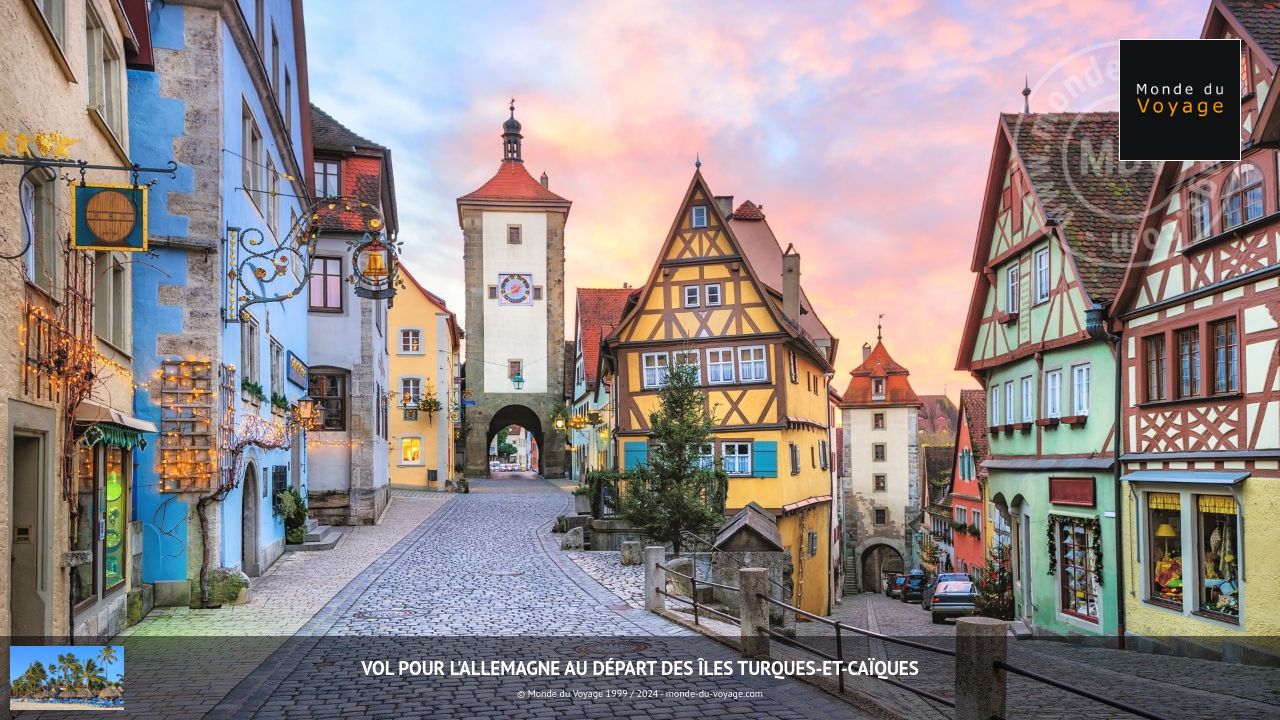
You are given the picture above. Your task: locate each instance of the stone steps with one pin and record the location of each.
(318, 537)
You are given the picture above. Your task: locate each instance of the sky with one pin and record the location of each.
(21, 657)
(865, 129)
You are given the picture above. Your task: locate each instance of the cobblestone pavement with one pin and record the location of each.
(606, 568)
(1172, 686)
(479, 579)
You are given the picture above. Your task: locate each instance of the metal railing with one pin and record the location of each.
(980, 654)
(711, 548)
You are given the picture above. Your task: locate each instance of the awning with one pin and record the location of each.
(793, 507)
(1186, 477)
(110, 426)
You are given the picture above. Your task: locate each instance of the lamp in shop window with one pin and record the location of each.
(1166, 531)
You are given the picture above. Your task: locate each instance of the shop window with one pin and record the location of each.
(1164, 548)
(330, 389)
(1217, 525)
(411, 451)
(1079, 593)
(83, 577)
(100, 528)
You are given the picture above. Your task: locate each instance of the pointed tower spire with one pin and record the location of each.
(1026, 95)
(511, 136)
(879, 333)
(697, 161)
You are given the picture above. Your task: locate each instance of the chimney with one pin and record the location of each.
(725, 203)
(546, 182)
(791, 285)
(866, 351)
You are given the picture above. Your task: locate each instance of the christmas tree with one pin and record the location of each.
(995, 585)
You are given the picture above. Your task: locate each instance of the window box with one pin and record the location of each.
(1022, 427)
(1047, 422)
(1075, 419)
(1007, 428)
(1005, 318)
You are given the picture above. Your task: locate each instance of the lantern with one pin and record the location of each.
(559, 422)
(308, 411)
(518, 381)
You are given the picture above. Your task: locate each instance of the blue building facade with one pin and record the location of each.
(227, 102)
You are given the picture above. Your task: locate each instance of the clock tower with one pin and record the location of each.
(513, 255)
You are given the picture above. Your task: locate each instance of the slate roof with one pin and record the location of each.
(938, 465)
(513, 182)
(599, 312)
(329, 134)
(1261, 19)
(974, 403)
(754, 519)
(897, 388)
(1100, 209)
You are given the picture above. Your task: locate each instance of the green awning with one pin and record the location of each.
(109, 426)
(111, 434)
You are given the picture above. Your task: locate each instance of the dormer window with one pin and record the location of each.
(1242, 196)
(699, 216)
(877, 389)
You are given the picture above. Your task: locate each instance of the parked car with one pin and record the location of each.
(887, 577)
(895, 586)
(954, 598)
(912, 589)
(926, 602)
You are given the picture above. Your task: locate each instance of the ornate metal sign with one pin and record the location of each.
(109, 217)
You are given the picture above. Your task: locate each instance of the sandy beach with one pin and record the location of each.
(31, 705)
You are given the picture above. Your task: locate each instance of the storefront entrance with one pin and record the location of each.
(28, 538)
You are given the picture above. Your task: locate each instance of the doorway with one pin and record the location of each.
(249, 522)
(876, 561)
(1024, 533)
(28, 538)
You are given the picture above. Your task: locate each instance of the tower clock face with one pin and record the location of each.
(515, 289)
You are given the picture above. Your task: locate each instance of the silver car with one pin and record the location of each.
(954, 598)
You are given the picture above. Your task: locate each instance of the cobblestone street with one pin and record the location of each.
(451, 578)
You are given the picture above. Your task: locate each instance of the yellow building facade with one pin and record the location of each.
(423, 370)
(723, 296)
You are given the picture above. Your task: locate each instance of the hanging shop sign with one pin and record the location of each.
(295, 370)
(109, 217)
(515, 289)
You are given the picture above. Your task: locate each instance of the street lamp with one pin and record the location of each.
(308, 411)
(559, 423)
(518, 381)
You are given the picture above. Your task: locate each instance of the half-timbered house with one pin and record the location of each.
(1200, 313)
(1058, 218)
(725, 297)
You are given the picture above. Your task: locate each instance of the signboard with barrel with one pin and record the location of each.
(109, 217)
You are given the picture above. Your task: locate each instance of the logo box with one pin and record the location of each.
(1180, 100)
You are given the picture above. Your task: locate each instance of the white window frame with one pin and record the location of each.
(1013, 288)
(251, 156)
(276, 360)
(689, 357)
(706, 458)
(692, 296)
(975, 519)
(1009, 408)
(111, 304)
(995, 404)
(1028, 413)
(734, 467)
(823, 451)
(421, 451)
(708, 293)
(1053, 393)
(728, 374)
(105, 85)
(403, 336)
(250, 339)
(324, 178)
(660, 367)
(962, 515)
(39, 201)
(745, 362)
(877, 389)
(1041, 262)
(405, 382)
(1081, 378)
(698, 216)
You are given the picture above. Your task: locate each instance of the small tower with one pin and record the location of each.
(511, 137)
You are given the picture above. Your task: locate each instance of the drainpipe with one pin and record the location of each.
(1096, 325)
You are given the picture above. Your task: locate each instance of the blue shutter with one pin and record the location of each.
(764, 458)
(635, 454)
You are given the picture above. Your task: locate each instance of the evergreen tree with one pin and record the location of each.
(995, 585)
(677, 491)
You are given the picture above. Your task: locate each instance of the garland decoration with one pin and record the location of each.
(1094, 528)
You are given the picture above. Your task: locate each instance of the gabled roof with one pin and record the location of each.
(973, 404)
(434, 299)
(329, 134)
(599, 310)
(757, 241)
(1099, 212)
(937, 414)
(513, 183)
(1259, 20)
(754, 520)
(878, 365)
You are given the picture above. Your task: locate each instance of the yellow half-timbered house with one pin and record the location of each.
(724, 296)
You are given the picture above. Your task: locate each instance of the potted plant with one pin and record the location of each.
(252, 392)
(581, 499)
(293, 508)
(279, 404)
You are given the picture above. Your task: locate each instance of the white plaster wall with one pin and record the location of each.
(897, 437)
(515, 332)
(332, 336)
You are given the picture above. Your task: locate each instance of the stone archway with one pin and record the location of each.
(876, 557)
(524, 417)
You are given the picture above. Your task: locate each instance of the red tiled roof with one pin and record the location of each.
(513, 182)
(937, 414)
(974, 403)
(879, 364)
(599, 312)
(758, 243)
(748, 211)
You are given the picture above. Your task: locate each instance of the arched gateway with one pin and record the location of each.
(513, 255)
